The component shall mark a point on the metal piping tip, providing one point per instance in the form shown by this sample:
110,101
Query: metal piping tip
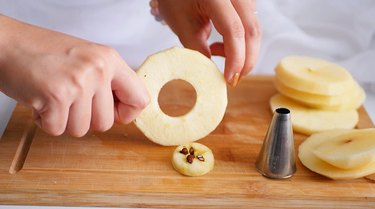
276,158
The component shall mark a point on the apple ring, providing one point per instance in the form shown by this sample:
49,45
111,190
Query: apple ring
211,96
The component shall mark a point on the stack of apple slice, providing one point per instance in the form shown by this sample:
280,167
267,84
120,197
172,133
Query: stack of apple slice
340,154
321,95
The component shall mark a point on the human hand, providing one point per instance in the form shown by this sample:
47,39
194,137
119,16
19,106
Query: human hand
71,84
235,20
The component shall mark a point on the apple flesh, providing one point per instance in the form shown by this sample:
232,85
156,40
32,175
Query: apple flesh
330,165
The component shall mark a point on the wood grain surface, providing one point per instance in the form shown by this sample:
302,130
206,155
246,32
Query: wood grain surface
122,168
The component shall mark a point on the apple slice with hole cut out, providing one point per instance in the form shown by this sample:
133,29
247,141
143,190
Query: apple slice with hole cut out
211,96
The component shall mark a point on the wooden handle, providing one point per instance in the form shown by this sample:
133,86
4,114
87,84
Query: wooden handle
23,149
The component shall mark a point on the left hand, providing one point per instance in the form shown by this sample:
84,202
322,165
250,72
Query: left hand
235,20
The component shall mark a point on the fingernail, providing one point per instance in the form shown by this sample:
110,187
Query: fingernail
234,80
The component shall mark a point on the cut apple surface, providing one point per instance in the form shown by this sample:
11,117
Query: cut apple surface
313,75
308,157
211,96
308,120
352,99
348,151
193,159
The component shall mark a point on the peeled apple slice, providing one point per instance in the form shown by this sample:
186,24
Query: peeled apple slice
352,99
193,159
308,120
352,150
312,162
211,96
313,75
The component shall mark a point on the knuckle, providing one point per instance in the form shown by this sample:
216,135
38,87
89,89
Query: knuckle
95,60
78,82
84,78
109,51
93,63
66,90
89,54
100,63
58,95
254,31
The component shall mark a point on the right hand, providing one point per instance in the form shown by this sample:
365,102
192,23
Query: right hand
235,20
71,84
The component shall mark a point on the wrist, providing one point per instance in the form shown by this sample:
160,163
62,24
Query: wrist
5,40
2,42
4,36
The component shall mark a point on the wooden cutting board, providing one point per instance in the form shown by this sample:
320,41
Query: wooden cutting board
122,168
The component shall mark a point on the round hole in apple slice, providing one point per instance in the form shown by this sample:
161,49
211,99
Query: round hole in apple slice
177,97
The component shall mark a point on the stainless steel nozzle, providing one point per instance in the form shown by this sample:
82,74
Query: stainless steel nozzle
276,158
